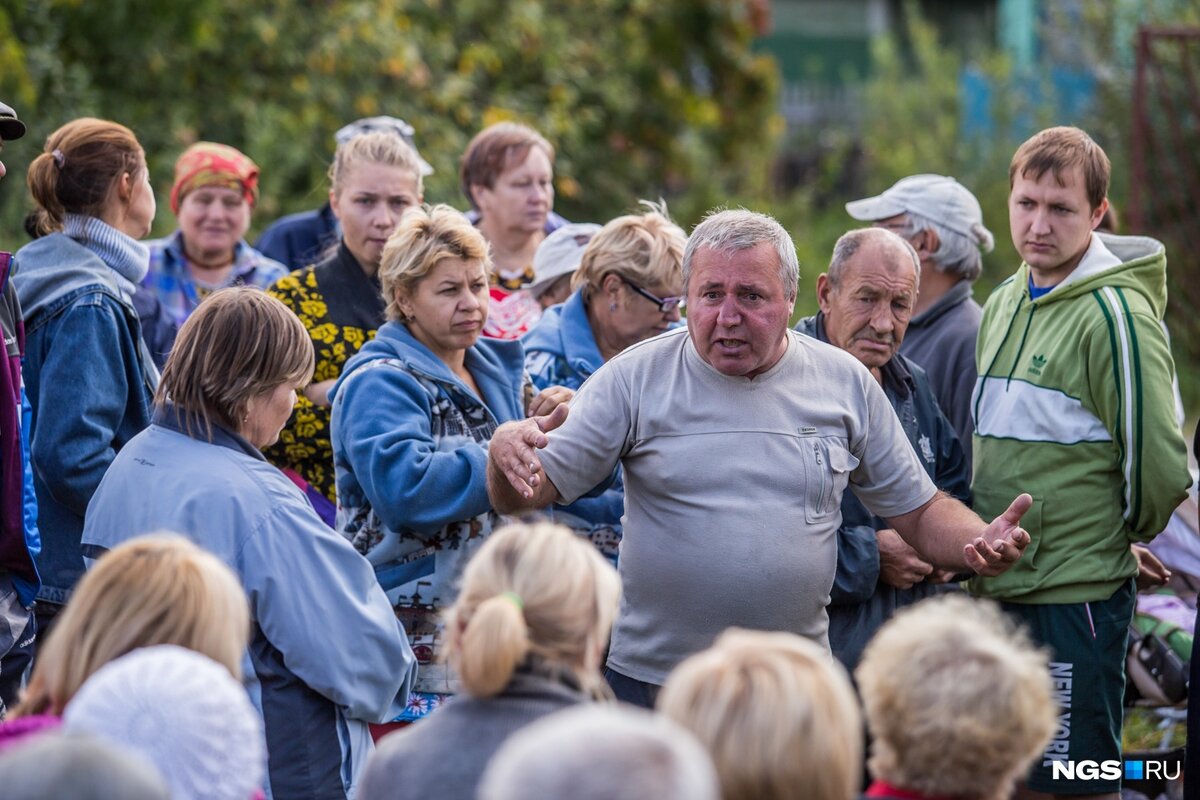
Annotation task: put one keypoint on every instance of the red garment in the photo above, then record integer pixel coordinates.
(212, 164)
(884, 789)
(511, 314)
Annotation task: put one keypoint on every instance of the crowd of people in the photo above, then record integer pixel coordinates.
(412, 502)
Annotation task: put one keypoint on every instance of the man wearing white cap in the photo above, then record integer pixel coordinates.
(942, 220)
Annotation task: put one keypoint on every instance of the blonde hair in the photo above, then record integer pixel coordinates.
(777, 715)
(239, 343)
(645, 248)
(425, 237)
(379, 147)
(537, 595)
(157, 589)
(78, 168)
(957, 698)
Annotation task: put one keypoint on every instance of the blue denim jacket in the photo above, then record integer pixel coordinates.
(87, 386)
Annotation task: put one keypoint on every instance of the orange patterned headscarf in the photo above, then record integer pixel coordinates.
(212, 164)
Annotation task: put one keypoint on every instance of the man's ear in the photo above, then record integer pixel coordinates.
(926, 243)
(1098, 213)
(824, 289)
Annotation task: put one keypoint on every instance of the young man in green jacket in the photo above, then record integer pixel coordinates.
(1074, 398)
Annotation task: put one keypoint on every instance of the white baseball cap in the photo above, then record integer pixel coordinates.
(937, 197)
(560, 253)
(393, 125)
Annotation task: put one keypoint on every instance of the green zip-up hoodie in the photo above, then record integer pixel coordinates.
(1074, 405)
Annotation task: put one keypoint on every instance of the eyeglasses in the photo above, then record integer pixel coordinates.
(665, 304)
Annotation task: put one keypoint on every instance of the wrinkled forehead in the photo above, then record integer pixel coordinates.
(757, 265)
(881, 267)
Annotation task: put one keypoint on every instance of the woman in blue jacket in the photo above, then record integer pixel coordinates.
(628, 287)
(412, 416)
(326, 656)
(87, 372)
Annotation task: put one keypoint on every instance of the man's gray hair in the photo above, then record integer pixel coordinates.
(849, 243)
(596, 752)
(732, 230)
(956, 253)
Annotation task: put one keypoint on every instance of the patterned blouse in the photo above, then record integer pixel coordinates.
(341, 308)
(171, 279)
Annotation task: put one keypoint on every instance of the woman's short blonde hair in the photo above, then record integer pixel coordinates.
(239, 343)
(425, 237)
(535, 595)
(157, 589)
(644, 248)
(957, 698)
(379, 147)
(776, 713)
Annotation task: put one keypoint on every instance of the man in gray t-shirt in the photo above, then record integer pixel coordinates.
(737, 438)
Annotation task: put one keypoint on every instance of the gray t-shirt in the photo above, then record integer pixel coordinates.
(733, 488)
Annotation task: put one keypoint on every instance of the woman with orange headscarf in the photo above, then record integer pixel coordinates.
(214, 193)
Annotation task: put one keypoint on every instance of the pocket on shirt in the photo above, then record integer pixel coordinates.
(827, 467)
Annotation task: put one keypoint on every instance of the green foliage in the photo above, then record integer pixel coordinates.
(641, 99)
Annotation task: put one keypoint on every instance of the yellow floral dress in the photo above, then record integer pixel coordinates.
(341, 308)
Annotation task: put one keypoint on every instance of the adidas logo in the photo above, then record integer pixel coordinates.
(1036, 364)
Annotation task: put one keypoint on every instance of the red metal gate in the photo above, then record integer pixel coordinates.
(1164, 196)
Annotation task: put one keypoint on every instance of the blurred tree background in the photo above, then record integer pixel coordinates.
(641, 98)
(680, 99)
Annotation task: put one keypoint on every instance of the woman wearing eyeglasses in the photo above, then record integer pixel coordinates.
(629, 287)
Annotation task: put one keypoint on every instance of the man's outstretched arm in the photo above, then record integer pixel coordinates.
(950, 535)
(515, 479)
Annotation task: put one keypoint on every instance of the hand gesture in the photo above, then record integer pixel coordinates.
(1002, 542)
(514, 445)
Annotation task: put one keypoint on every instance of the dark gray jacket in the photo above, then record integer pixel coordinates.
(941, 341)
(445, 754)
(859, 602)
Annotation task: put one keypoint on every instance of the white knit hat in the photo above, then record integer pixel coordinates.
(184, 713)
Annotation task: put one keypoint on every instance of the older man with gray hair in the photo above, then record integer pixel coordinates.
(737, 437)
(943, 222)
(601, 752)
(866, 304)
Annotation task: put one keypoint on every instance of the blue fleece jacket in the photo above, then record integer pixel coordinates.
(409, 450)
(561, 350)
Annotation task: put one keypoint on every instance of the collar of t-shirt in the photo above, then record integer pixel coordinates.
(1038, 291)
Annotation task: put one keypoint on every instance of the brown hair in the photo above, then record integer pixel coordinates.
(426, 236)
(78, 168)
(1059, 150)
(496, 148)
(158, 589)
(534, 594)
(239, 343)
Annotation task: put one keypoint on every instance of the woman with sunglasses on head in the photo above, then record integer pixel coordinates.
(629, 287)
